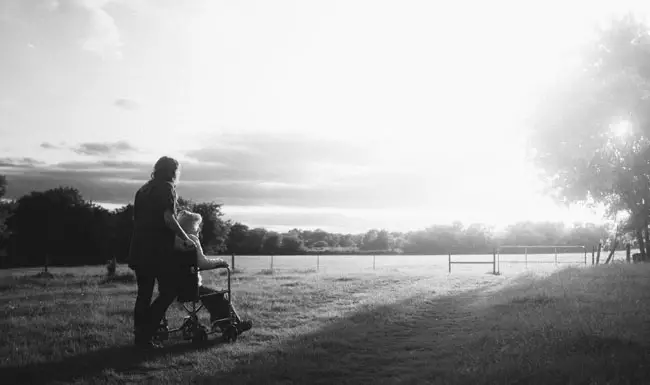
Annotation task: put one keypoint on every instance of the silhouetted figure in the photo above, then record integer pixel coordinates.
(152, 245)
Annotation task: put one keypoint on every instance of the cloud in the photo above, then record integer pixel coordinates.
(103, 148)
(249, 170)
(104, 37)
(281, 180)
(127, 104)
(57, 24)
(49, 146)
(19, 162)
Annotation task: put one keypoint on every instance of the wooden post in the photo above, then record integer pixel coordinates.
(317, 262)
(593, 254)
(373, 262)
(449, 263)
(600, 247)
(556, 257)
(628, 251)
(612, 251)
(232, 261)
(494, 262)
(271, 261)
(526, 257)
(585, 250)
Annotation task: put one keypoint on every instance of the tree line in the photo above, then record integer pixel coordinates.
(60, 225)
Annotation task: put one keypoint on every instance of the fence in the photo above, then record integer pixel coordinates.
(310, 262)
(552, 250)
(349, 263)
(554, 255)
(493, 263)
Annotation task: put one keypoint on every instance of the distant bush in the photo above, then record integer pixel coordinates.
(111, 267)
(320, 245)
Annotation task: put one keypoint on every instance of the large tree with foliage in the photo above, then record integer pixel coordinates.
(6, 208)
(3, 186)
(591, 129)
(58, 223)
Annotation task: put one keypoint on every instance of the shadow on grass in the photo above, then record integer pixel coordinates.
(444, 341)
(126, 358)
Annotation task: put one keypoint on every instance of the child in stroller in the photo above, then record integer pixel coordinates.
(220, 308)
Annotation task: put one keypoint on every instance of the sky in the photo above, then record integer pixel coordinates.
(340, 115)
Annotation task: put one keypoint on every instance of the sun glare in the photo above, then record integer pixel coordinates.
(621, 129)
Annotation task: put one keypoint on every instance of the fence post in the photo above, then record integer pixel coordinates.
(628, 252)
(449, 263)
(317, 262)
(232, 261)
(494, 262)
(555, 256)
(593, 255)
(271, 261)
(585, 250)
(526, 256)
(373, 262)
(600, 246)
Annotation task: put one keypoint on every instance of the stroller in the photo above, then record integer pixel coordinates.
(189, 298)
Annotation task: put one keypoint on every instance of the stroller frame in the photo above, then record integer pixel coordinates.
(192, 328)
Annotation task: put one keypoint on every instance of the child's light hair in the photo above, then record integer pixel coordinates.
(189, 221)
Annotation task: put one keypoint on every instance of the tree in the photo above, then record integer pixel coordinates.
(58, 223)
(320, 245)
(369, 239)
(292, 244)
(184, 204)
(591, 132)
(6, 210)
(272, 242)
(236, 243)
(346, 241)
(214, 231)
(384, 241)
(121, 231)
(255, 240)
(3, 185)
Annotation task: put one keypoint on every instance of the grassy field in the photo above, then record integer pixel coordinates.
(409, 325)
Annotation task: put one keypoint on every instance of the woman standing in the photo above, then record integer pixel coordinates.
(152, 246)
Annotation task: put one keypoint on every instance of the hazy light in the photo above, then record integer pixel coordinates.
(621, 129)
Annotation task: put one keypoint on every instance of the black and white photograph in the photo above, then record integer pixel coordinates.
(325, 192)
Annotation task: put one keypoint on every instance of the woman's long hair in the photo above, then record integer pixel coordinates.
(166, 169)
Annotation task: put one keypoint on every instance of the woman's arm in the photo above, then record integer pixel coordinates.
(170, 220)
(165, 195)
(203, 261)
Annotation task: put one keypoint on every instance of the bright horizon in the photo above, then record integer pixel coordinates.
(340, 115)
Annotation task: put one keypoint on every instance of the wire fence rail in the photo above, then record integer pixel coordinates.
(508, 257)
(511, 258)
